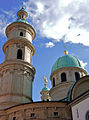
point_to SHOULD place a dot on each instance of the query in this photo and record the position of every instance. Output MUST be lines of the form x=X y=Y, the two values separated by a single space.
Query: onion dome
x=22 y=15
x=45 y=89
x=66 y=61
x=45 y=84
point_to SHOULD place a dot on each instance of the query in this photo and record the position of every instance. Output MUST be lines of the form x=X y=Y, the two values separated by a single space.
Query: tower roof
x=45 y=89
x=23 y=21
x=66 y=61
x=22 y=15
x=45 y=84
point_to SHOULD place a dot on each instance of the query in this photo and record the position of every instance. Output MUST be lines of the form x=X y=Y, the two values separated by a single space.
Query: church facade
x=68 y=99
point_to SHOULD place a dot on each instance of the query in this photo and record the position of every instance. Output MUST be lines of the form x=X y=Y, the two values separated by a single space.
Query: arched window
x=77 y=76
x=21 y=33
x=19 y=54
x=63 y=77
x=14 y=118
x=87 y=115
x=53 y=82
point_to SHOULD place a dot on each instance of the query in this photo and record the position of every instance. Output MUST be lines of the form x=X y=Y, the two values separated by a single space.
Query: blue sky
x=56 y=24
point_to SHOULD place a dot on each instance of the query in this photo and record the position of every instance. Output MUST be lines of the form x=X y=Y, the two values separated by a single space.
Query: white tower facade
x=17 y=72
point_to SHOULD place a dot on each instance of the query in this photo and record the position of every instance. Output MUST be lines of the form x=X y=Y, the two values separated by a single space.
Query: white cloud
x=49 y=45
x=5 y=17
x=83 y=63
x=40 y=7
x=61 y=18
x=3 y=23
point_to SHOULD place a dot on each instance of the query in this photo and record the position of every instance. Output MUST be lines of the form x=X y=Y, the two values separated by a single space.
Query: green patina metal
x=20 y=20
x=22 y=9
x=66 y=61
x=45 y=89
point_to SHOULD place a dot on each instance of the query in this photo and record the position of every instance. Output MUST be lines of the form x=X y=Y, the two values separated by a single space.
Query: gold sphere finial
x=22 y=5
x=65 y=51
x=45 y=81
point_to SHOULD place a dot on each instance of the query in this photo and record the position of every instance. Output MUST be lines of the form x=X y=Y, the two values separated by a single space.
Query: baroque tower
x=17 y=72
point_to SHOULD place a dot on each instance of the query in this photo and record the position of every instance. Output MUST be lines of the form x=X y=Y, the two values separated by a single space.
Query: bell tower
x=17 y=72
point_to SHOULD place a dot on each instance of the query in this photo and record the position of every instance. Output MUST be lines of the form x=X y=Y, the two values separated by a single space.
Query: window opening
x=19 y=54
x=56 y=114
x=63 y=77
x=53 y=82
x=87 y=116
x=21 y=33
x=32 y=115
x=77 y=76
x=14 y=118
x=77 y=113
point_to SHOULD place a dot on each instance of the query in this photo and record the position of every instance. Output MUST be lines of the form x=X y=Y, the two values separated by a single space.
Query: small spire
x=45 y=81
x=22 y=5
x=65 y=51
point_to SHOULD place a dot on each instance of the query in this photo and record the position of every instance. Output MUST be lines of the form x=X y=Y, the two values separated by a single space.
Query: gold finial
x=22 y=5
x=45 y=81
x=65 y=52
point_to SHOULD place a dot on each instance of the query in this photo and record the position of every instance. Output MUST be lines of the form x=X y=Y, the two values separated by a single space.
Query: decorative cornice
x=20 y=24
x=18 y=40
x=67 y=68
x=79 y=82
x=79 y=99
x=6 y=65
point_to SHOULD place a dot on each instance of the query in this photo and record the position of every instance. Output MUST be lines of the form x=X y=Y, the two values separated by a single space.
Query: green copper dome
x=45 y=89
x=23 y=21
x=66 y=61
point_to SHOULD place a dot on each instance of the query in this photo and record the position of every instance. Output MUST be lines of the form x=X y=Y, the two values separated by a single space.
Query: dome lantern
x=22 y=14
x=45 y=91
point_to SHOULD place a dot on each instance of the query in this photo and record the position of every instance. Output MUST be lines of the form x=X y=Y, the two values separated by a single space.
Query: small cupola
x=45 y=91
x=22 y=14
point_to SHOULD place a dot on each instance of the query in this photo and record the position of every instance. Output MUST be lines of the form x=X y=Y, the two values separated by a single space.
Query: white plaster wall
x=70 y=75
x=27 y=54
x=16 y=33
x=81 y=109
x=27 y=88
x=60 y=91
x=11 y=52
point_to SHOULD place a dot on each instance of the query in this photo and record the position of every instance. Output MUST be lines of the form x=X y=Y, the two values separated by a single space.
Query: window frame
x=19 y=54
x=32 y=115
x=77 y=76
x=14 y=118
x=55 y=114
x=87 y=115
x=53 y=81
x=21 y=34
x=63 y=77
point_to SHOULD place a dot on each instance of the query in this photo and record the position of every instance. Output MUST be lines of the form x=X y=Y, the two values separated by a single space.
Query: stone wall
x=39 y=111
